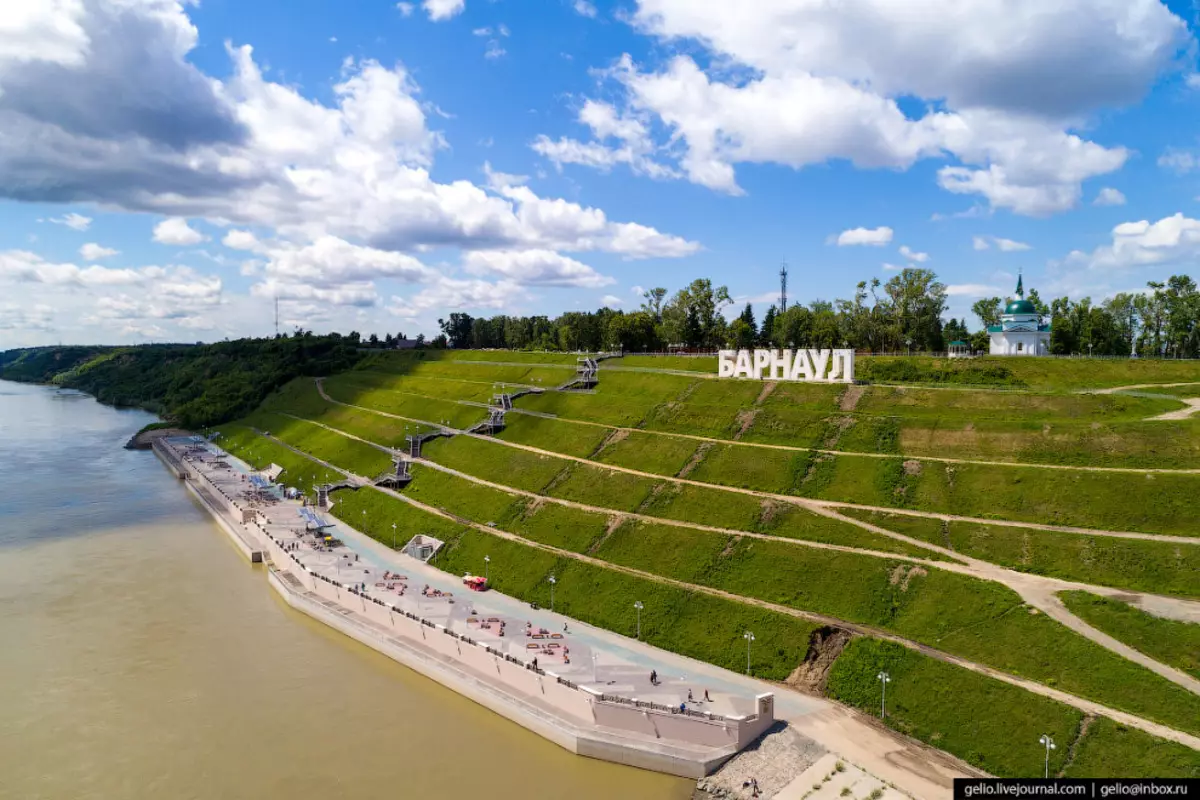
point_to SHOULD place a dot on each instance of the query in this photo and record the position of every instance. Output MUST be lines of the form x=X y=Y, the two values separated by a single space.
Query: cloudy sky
x=168 y=169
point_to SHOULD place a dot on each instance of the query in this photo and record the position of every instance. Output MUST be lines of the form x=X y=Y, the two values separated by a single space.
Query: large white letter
x=781 y=363
x=820 y=362
x=742 y=369
x=801 y=367
x=762 y=360
x=843 y=366
x=725 y=363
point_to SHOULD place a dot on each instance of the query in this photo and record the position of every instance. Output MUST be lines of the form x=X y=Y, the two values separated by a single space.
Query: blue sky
x=168 y=170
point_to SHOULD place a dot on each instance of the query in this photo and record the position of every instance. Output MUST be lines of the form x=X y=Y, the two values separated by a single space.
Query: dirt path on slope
x=1032 y=588
x=1193 y=406
x=1087 y=706
x=787 y=447
x=1115 y=389
x=1036 y=590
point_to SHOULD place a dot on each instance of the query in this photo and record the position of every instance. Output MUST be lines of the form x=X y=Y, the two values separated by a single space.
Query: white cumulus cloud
x=800 y=82
x=176 y=231
x=913 y=255
x=1109 y=197
x=94 y=252
x=1171 y=240
x=874 y=237
x=74 y=221
x=1004 y=245
x=535 y=267
x=439 y=10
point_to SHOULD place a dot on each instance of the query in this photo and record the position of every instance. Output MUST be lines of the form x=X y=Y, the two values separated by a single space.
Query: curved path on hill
x=1187 y=411
x=808 y=502
x=1136 y=386
x=1036 y=590
x=1087 y=706
x=1193 y=405
x=1039 y=591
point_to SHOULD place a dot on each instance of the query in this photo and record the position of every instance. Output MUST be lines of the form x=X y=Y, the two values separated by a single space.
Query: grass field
x=345 y=389
x=348 y=454
x=261 y=453
x=662 y=455
x=372 y=512
x=1029 y=410
x=569 y=438
x=1110 y=750
x=1140 y=565
x=1103 y=500
x=954 y=708
x=1169 y=641
x=492 y=462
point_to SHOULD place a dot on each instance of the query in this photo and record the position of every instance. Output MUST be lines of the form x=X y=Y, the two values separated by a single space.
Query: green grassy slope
x=1169 y=641
x=1040 y=419
x=1140 y=565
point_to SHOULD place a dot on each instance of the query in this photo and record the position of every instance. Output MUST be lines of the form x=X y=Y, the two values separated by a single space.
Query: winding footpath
x=1032 y=587
x=1086 y=706
x=1038 y=591
x=1185 y=412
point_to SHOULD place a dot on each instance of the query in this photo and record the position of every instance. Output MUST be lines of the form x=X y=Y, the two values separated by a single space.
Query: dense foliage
x=192 y=385
x=902 y=315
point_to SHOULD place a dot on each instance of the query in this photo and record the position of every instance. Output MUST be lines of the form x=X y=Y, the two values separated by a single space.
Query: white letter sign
x=825 y=366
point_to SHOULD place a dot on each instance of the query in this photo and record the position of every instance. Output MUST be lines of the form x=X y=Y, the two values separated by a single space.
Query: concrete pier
x=466 y=649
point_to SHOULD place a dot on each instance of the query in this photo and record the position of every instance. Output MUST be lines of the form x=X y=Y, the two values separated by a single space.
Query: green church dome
x=1021 y=306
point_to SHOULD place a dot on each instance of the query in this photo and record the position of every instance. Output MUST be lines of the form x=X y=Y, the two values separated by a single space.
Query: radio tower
x=783 y=287
x=276 y=316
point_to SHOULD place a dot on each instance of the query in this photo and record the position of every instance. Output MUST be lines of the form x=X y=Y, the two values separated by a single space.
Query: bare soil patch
x=849 y=399
x=837 y=426
x=824 y=647
x=768 y=387
x=695 y=460
x=744 y=420
x=614 y=437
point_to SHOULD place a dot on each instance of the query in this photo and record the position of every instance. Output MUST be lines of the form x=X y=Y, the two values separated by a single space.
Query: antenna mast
x=783 y=287
x=276 y=316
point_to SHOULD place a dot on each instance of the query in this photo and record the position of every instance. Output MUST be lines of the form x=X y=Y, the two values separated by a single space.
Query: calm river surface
x=142 y=657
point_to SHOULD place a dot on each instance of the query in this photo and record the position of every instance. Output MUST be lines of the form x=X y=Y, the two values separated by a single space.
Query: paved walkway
x=1036 y=590
x=1082 y=704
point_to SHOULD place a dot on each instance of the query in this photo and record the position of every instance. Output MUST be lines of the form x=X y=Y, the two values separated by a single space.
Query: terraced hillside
x=1013 y=551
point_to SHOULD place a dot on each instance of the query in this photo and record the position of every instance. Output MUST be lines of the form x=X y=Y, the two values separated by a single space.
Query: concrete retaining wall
x=568 y=716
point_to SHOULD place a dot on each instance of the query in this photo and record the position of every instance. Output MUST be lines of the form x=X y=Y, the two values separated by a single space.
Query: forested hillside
x=191 y=385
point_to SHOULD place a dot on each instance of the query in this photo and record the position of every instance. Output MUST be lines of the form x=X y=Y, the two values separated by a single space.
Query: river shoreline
x=554 y=708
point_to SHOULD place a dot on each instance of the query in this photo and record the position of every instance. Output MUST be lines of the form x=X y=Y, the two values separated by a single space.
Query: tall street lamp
x=638 y=606
x=553 y=581
x=393 y=536
x=486 y=561
x=1046 y=740
x=749 y=637
x=884 y=680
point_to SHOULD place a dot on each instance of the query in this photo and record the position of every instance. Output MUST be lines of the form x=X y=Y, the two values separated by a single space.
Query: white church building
x=1021 y=331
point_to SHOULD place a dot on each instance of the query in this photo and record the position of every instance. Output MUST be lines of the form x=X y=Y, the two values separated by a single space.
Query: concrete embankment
x=580 y=719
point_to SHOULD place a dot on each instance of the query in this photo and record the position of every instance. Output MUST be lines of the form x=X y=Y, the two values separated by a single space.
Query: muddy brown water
x=142 y=657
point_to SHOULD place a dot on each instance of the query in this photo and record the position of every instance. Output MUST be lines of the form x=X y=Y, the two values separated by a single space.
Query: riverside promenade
x=816 y=749
x=591 y=700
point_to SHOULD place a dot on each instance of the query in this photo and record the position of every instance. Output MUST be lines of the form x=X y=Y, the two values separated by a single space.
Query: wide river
x=142 y=657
